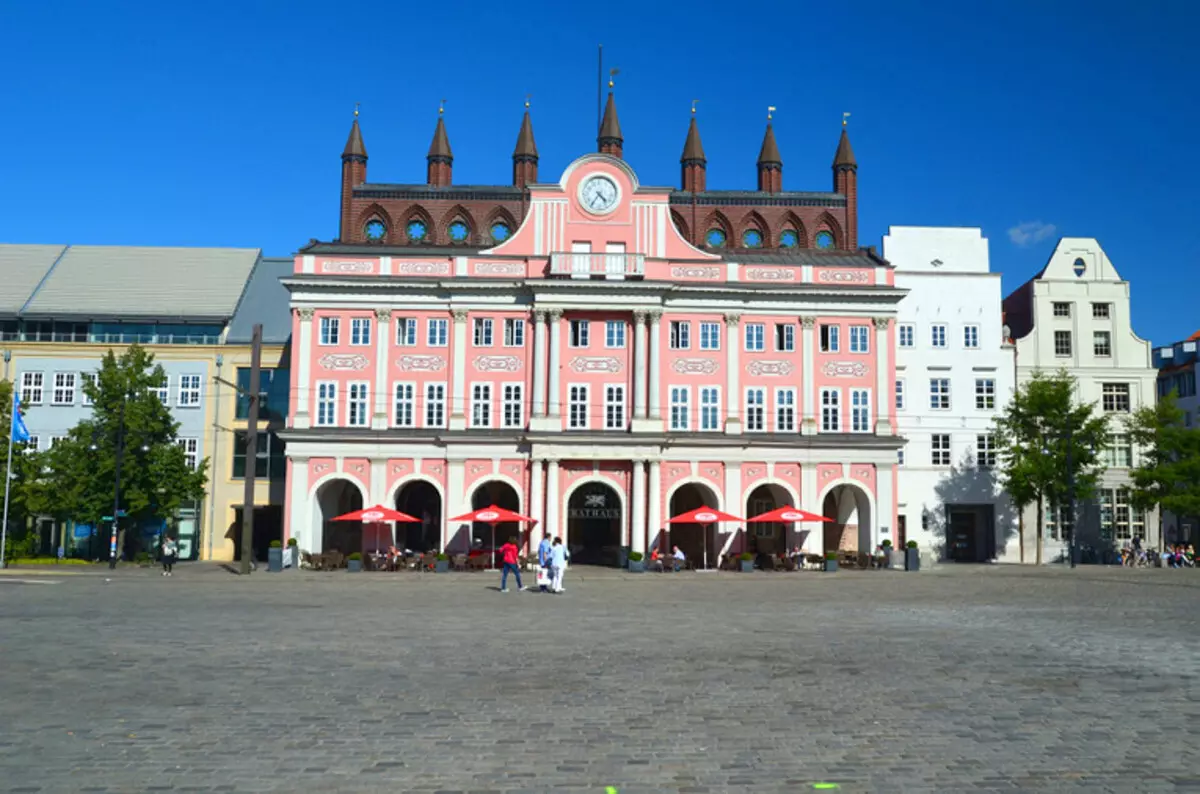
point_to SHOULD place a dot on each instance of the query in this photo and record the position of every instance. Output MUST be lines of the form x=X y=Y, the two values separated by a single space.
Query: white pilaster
x=458 y=387
x=303 y=419
x=733 y=421
x=553 y=400
x=301 y=509
x=541 y=362
x=637 y=528
x=654 y=504
x=383 y=337
x=553 y=508
x=656 y=366
x=456 y=502
x=537 y=503
x=640 y=364
x=808 y=421
x=815 y=542
x=883 y=385
x=378 y=485
x=881 y=525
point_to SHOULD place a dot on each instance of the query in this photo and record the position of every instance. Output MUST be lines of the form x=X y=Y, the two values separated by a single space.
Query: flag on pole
x=20 y=433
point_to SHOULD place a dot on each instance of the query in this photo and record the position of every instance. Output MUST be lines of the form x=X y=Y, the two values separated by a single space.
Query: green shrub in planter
x=441 y=563
x=831 y=563
x=887 y=544
x=277 y=544
x=355 y=556
x=912 y=557
x=636 y=556
x=912 y=544
x=354 y=562
x=635 y=562
x=275 y=557
x=292 y=543
x=747 y=562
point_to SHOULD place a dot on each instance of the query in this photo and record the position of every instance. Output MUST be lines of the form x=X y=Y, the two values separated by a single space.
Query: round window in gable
x=459 y=232
x=500 y=231
x=752 y=238
x=715 y=238
x=1080 y=267
x=789 y=239
x=824 y=240
x=375 y=230
x=416 y=231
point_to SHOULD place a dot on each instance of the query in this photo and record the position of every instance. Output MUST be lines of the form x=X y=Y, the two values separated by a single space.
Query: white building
x=954 y=373
x=1074 y=315
x=1177 y=366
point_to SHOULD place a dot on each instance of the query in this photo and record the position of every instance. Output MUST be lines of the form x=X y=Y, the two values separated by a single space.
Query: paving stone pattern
x=961 y=679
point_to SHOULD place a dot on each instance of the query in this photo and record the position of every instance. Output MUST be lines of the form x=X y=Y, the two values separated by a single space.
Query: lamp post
x=112 y=541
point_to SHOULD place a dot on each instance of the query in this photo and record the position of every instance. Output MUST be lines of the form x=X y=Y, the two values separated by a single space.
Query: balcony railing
x=612 y=266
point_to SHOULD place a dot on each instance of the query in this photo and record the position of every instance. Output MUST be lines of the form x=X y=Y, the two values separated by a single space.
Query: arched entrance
x=770 y=537
x=420 y=500
x=594 y=524
x=337 y=497
x=692 y=538
x=501 y=494
x=849 y=510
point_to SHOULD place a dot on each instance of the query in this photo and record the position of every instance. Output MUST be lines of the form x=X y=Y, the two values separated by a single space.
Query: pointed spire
x=441 y=143
x=769 y=153
x=693 y=150
x=610 y=140
x=354 y=144
x=440 y=159
x=844 y=158
x=525 y=144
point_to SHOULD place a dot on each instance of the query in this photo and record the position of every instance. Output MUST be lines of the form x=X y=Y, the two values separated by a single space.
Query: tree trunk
x=1021 y=533
x=1041 y=526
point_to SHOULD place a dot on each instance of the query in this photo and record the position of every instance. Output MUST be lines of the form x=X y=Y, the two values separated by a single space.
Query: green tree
x=1168 y=458
x=26 y=468
x=155 y=476
x=1049 y=446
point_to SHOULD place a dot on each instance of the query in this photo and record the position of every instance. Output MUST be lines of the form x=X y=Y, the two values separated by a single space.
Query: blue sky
x=222 y=123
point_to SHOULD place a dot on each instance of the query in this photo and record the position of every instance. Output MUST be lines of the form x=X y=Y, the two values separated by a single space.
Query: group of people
x=677 y=559
x=1176 y=555
x=1179 y=555
x=552 y=562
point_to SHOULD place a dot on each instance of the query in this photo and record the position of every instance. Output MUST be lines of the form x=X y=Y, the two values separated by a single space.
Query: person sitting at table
x=679 y=558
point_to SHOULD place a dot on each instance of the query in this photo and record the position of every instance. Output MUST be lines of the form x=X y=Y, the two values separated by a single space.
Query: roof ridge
x=45 y=277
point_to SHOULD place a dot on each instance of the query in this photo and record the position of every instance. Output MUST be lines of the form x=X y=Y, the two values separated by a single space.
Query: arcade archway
x=849 y=509
x=769 y=537
x=594 y=513
x=693 y=539
x=420 y=499
x=501 y=494
x=337 y=497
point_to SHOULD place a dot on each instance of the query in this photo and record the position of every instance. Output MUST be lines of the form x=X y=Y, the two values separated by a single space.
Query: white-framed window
x=513 y=405
x=1102 y=343
x=859 y=339
x=86 y=379
x=756 y=409
x=785 y=410
x=614 y=333
x=900 y=394
x=971 y=336
x=481 y=405
x=937 y=335
x=191 y=451
x=437 y=331
x=785 y=337
x=1101 y=311
x=831 y=410
x=330 y=331
x=1119 y=452
x=939 y=449
x=860 y=410
x=939 y=394
x=64 y=388
x=32 y=387
x=32 y=444
x=1062 y=343
x=681 y=335
x=985 y=451
x=680 y=408
x=360 y=331
x=829 y=338
x=614 y=406
x=163 y=392
x=1119 y=518
x=710 y=336
x=1059 y=520
x=327 y=403
x=435 y=405
x=577 y=407
x=710 y=408
x=1062 y=310
x=406 y=331
x=985 y=394
x=482 y=331
x=405 y=402
x=514 y=332
x=755 y=335
x=1114 y=397
x=56 y=440
x=357 y=401
x=580 y=335
x=189 y=391
x=905 y=334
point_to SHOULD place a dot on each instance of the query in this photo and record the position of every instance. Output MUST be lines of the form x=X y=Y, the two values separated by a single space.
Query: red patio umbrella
x=375 y=517
x=703 y=515
x=787 y=515
x=493 y=515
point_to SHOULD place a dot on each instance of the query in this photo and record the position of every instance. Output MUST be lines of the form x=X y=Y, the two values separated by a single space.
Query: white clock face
x=599 y=195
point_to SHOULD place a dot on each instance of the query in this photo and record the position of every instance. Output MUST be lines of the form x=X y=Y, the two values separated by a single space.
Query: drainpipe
x=216 y=440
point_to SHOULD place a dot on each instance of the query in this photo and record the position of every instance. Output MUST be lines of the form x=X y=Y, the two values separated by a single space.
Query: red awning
x=493 y=515
x=703 y=515
x=370 y=515
x=788 y=514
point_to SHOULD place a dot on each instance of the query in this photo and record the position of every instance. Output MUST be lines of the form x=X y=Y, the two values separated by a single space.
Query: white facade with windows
x=954 y=373
x=1074 y=315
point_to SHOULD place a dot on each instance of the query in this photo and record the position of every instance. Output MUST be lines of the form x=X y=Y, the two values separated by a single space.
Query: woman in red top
x=508 y=553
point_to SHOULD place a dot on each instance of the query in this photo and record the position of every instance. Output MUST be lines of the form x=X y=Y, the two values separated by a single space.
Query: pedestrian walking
x=508 y=553
x=169 y=553
x=558 y=562
x=544 y=549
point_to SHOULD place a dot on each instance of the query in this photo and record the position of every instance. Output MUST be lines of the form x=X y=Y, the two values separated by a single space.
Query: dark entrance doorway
x=268 y=526
x=968 y=530
x=335 y=498
x=594 y=525
x=420 y=500
x=501 y=494
x=694 y=540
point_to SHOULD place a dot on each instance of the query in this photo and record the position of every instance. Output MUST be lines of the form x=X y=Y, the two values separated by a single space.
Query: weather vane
x=770 y=110
x=844 y=117
x=356 y=104
x=527 y=98
x=694 y=101
x=611 y=74
x=442 y=107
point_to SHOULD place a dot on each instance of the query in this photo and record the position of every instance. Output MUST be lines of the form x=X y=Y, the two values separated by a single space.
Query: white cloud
x=1030 y=232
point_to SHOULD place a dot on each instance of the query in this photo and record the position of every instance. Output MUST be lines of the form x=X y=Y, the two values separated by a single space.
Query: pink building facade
x=599 y=373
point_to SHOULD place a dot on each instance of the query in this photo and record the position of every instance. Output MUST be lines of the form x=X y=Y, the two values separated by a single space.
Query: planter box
x=747 y=566
x=291 y=558
x=441 y=566
x=354 y=566
x=912 y=559
x=274 y=560
x=637 y=567
x=831 y=566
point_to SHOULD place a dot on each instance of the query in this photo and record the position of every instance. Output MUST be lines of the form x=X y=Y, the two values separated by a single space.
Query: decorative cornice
x=354 y=158
x=655 y=316
x=732 y=319
x=459 y=315
x=383 y=315
x=807 y=321
x=881 y=323
x=640 y=316
x=554 y=315
x=306 y=315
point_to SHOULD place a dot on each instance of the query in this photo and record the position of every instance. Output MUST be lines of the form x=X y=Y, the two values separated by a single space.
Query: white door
x=581 y=260
x=614 y=261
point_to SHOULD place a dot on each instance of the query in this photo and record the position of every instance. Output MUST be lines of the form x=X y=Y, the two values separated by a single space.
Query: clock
x=599 y=195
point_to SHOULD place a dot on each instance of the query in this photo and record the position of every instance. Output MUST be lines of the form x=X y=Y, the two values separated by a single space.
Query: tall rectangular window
x=513 y=408
x=614 y=333
x=831 y=411
x=191 y=451
x=406 y=331
x=1119 y=452
x=326 y=403
x=985 y=394
x=64 y=388
x=985 y=451
x=681 y=335
x=1114 y=397
x=755 y=333
x=189 y=391
x=437 y=331
x=937 y=335
x=577 y=407
x=1062 y=310
x=939 y=447
x=360 y=331
x=86 y=379
x=900 y=394
x=405 y=405
x=710 y=336
x=482 y=332
x=785 y=410
x=357 y=413
x=785 y=337
x=970 y=336
x=1102 y=344
x=905 y=333
x=163 y=392
x=614 y=407
x=756 y=406
x=859 y=339
x=435 y=405
x=580 y=333
x=829 y=338
x=710 y=408
x=1100 y=311
x=32 y=388
x=939 y=394
x=1062 y=343
x=330 y=331
x=481 y=405
x=514 y=332
x=860 y=410
x=680 y=408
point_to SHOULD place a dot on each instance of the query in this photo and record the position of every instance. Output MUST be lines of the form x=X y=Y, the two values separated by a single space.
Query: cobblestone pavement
x=960 y=679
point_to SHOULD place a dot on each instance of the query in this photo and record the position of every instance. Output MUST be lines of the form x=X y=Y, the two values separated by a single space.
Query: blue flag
x=20 y=433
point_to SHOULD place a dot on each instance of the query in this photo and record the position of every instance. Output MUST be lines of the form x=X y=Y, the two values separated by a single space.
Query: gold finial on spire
x=527 y=98
x=442 y=107
x=770 y=110
x=611 y=74
x=356 y=104
x=694 y=101
x=844 y=117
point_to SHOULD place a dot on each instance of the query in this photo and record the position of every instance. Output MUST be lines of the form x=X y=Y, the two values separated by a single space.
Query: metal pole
x=112 y=540
x=7 y=486
x=1071 y=498
x=251 y=449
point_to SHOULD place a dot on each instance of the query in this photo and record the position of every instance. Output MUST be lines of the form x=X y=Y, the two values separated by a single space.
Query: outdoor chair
x=307 y=561
x=459 y=562
x=789 y=564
